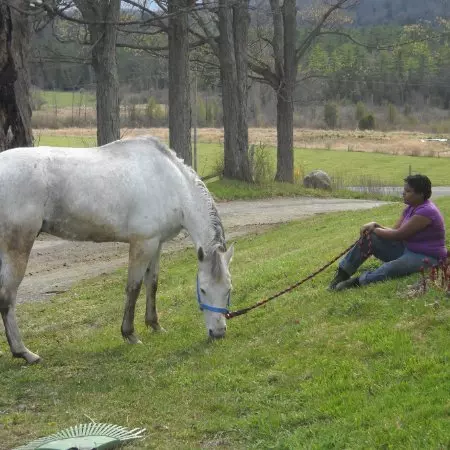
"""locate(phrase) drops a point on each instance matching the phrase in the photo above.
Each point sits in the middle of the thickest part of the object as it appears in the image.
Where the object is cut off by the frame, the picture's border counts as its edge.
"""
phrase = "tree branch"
(53, 11)
(380, 47)
(305, 45)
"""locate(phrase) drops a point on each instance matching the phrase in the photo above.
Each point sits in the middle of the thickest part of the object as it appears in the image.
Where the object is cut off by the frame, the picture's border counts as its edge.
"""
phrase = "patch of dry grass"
(394, 142)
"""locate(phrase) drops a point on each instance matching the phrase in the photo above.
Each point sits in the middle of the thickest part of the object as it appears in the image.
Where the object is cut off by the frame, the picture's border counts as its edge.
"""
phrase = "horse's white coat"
(134, 191)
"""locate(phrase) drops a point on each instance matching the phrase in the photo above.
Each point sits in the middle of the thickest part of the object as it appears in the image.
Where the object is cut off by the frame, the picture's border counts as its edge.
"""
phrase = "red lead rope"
(359, 242)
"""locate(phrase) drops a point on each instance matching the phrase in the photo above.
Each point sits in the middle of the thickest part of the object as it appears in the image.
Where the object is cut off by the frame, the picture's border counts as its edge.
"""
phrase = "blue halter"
(209, 307)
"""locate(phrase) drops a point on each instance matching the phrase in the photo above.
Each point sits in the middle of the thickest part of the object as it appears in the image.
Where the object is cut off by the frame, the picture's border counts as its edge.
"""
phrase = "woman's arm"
(405, 231)
(398, 224)
(369, 227)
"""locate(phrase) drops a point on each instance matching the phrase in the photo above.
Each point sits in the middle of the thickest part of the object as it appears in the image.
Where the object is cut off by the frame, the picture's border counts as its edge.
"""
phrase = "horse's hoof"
(33, 358)
(132, 339)
(29, 357)
(156, 327)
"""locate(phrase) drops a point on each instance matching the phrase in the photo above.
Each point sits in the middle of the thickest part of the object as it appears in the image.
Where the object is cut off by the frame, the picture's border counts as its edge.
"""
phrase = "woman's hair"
(421, 185)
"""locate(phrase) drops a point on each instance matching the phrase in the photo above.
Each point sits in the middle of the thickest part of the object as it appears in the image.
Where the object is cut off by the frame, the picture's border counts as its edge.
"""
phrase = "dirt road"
(56, 264)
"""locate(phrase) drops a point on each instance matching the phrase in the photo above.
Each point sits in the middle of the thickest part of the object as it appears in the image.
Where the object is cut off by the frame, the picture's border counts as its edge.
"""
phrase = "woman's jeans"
(398, 260)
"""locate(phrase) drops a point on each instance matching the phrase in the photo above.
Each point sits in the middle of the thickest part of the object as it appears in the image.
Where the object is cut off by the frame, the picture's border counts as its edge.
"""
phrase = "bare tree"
(15, 102)
(225, 28)
(101, 17)
(281, 75)
(179, 85)
(108, 30)
(233, 27)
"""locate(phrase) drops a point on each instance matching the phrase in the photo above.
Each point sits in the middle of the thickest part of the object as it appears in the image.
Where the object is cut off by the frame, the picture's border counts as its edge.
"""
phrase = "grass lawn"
(65, 141)
(62, 99)
(366, 368)
(347, 168)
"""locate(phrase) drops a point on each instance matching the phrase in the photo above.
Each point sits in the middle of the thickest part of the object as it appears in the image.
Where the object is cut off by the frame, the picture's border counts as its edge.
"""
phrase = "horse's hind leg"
(151, 285)
(13, 265)
(140, 254)
(16, 345)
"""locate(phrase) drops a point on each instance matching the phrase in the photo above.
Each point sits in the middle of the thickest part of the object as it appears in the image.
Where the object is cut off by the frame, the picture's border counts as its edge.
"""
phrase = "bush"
(360, 111)
(367, 122)
(154, 112)
(331, 114)
(262, 166)
(392, 114)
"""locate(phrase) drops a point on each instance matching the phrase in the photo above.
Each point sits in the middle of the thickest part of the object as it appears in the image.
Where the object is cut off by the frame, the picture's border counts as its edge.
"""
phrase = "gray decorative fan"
(89, 436)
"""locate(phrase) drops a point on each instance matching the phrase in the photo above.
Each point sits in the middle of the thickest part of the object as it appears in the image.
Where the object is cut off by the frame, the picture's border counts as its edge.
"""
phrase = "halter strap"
(216, 309)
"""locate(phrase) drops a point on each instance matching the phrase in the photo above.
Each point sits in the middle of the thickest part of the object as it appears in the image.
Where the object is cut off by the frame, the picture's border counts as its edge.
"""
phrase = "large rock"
(317, 179)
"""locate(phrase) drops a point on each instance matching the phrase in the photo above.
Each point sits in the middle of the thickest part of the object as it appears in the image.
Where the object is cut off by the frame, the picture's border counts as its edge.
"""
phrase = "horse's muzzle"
(219, 333)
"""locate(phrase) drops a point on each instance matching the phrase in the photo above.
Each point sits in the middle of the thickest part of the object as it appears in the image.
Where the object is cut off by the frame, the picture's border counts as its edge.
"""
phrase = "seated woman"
(415, 241)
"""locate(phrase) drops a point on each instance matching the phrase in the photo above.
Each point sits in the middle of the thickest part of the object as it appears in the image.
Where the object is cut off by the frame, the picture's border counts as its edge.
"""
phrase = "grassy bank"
(347, 168)
(365, 368)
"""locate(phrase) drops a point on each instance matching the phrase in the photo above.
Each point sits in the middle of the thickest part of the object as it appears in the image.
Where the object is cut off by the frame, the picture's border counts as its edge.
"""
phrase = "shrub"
(360, 111)
(219, 166)
(407, 111)
(392, 114)
(261, 164)
(154, 112)
(367, 122)
(299, 174)
(331, 114)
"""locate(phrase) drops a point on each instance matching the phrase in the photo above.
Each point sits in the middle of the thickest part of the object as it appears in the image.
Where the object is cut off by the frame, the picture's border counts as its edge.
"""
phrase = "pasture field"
(406, 143)
(347, 168)
(365, 368)
(62, 99)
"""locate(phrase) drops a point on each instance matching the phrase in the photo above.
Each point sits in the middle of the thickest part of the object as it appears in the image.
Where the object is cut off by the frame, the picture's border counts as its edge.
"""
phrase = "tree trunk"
(103, 39)
(15, 101)
(285, 136)
(233, 27)
(179, 85)
(285, 97)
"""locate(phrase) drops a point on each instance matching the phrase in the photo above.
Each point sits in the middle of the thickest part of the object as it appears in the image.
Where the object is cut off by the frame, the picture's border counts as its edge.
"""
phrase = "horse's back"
(118, 192)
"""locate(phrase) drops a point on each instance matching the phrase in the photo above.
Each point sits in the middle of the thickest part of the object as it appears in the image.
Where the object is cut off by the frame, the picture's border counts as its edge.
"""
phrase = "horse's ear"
(200, 254)
(229, 254)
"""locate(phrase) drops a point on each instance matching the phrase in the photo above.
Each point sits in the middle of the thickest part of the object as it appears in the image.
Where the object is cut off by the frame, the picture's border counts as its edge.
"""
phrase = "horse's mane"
(216, 223)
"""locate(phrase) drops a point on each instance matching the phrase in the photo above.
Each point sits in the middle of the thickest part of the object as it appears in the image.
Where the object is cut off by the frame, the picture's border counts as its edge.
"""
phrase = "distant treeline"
(335, 69)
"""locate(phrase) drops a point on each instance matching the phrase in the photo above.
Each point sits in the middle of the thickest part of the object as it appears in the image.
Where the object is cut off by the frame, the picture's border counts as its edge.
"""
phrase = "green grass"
(347, 168)
(66, 99)
(366, 368)
(356, 168)
(65, 141)
(225, 189)
(236, 190)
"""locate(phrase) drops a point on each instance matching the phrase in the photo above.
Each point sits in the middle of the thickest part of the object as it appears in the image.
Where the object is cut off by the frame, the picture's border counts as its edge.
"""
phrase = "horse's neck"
(202, 221)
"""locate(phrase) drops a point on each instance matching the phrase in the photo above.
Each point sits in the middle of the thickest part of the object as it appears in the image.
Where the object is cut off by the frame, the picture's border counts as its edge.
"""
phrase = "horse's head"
(214, 289)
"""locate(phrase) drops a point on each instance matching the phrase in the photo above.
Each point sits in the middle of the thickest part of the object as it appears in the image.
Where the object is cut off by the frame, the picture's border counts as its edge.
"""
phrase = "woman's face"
(410, 197)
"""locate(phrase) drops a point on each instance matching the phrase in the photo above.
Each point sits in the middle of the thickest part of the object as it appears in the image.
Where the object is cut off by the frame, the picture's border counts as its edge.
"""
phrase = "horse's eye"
(203, 291)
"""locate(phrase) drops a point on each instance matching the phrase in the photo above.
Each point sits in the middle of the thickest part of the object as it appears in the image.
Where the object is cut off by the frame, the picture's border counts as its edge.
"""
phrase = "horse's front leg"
(139, 255)
(151, 285)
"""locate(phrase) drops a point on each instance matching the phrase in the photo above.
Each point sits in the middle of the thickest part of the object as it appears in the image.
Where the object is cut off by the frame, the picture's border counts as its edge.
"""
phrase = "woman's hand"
(368, 227)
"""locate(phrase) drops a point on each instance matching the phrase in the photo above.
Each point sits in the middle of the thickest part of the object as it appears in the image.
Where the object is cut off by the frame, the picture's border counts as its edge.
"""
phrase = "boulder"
(317, 179)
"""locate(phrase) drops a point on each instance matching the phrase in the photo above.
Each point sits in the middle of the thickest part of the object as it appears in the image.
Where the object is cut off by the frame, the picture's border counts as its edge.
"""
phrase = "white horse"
(135, 191)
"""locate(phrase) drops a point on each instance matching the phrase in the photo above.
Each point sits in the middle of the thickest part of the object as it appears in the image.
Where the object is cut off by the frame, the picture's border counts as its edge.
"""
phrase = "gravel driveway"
(56, 264)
